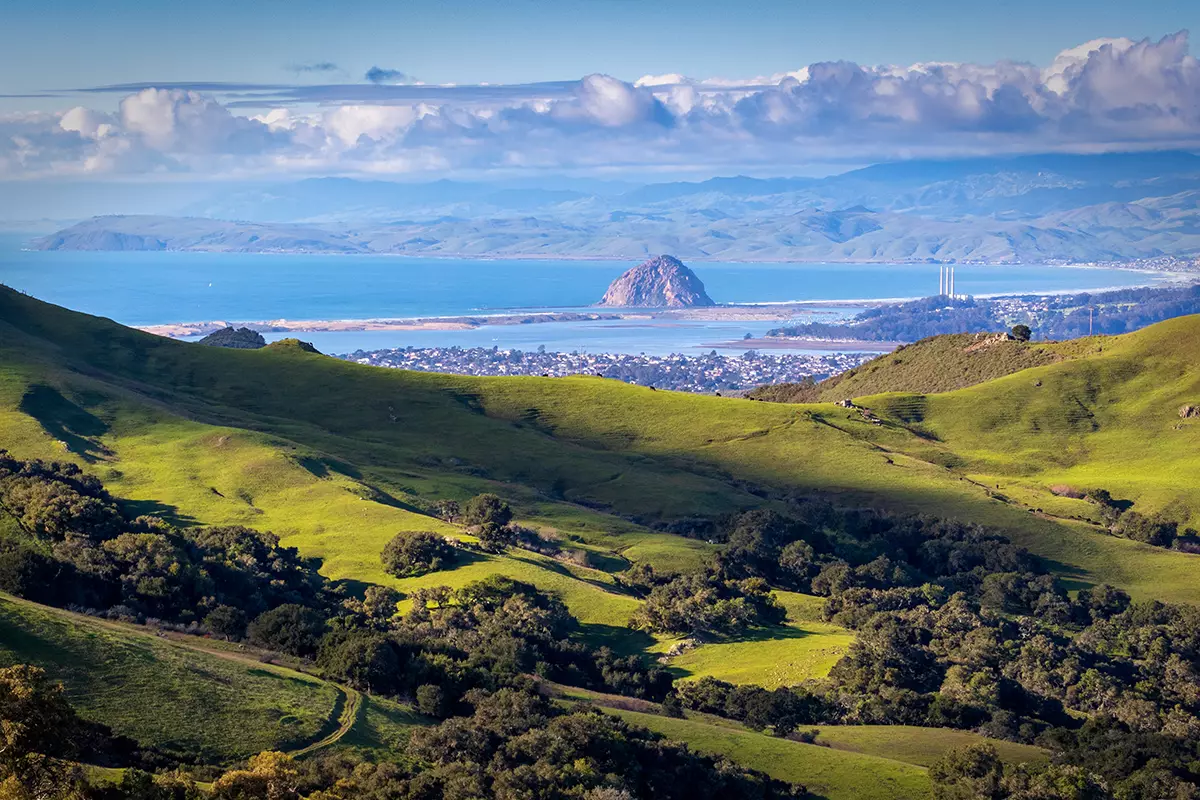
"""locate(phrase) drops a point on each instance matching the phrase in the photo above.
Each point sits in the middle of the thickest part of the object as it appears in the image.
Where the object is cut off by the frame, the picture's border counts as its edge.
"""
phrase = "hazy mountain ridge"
(1030, 209)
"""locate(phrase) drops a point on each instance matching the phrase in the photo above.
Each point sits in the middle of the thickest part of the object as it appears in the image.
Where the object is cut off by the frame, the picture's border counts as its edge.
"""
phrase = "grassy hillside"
(935, 364)
(852, 761)
(192, 697)
(829, 773)
(336, 457)
(188, 703)
(783, 655)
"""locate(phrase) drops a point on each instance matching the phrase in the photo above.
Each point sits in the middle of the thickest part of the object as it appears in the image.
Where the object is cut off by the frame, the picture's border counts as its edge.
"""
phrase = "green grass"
(846, 761)
(919, 746)
(939, 364)
(163, 694)
(781, 655)
(596, 460)
(382, 729)
(830, 773)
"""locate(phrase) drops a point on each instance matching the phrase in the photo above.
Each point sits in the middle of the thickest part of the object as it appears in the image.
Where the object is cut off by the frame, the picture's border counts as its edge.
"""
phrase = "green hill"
(935, 364)
(216, 706)
(335, 457)
(845, 761)
(190, 697)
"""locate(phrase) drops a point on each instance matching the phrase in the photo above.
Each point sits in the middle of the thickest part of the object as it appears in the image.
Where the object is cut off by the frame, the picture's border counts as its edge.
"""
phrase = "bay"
(150, 288)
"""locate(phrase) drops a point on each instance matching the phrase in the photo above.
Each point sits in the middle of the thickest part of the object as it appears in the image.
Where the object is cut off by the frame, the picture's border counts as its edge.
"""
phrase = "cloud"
(1113, 94)
(316, 66)
(386, 76)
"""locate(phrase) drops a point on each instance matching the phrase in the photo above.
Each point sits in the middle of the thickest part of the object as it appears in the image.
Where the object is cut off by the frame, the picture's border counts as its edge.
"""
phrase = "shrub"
(290, 628)
(411, 553)
(487, 510)
(431, 700)
(226, 621)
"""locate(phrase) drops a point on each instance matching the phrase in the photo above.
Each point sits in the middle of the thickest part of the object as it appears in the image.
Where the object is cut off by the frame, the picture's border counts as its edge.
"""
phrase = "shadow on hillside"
(559, 568)
(621, 640)
(153, 508)
(1071, 577)
(324, 467)
(67, 422)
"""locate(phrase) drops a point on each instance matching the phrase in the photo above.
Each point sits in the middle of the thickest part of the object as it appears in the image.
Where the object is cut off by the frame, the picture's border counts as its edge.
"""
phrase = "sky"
(225, 90)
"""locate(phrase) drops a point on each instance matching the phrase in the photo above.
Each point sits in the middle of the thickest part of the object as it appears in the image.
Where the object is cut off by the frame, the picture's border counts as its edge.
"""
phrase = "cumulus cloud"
(1107, 94)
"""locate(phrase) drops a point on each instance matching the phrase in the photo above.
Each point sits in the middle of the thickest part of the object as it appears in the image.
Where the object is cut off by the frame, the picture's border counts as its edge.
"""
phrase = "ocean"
(149, 288)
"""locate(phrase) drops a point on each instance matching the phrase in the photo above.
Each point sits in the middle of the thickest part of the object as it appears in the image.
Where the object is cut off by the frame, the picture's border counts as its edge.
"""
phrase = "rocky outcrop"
(661, 282)
(239, 338)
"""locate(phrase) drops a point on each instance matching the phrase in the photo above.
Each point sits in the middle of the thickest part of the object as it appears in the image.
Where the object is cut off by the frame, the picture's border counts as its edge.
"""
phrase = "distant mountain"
(1065, 208)
(659, 282)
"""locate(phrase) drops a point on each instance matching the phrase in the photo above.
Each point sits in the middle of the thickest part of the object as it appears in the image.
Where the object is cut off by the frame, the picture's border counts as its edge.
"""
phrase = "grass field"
(850, 761)
(336, 458)
(919, 746)
(830, 773)
(782, 655)
(166, 695)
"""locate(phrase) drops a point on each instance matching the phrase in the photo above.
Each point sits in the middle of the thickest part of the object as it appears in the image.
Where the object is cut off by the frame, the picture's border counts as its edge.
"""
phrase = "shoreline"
(801, 343)
(767, 310)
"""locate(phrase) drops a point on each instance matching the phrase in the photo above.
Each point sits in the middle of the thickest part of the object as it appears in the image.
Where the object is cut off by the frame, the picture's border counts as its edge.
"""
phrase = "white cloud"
(1106, 94)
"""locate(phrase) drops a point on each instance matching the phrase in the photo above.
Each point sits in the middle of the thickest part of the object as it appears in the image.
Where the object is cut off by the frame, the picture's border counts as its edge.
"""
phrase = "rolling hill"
(336, 458)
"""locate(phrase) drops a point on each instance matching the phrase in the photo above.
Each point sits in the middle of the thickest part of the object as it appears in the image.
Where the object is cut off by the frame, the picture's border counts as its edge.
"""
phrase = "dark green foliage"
(51, 500)
(76, 548)
(491, 517)
(706, 603)
(519, 745)
(487, 510)
(1022, 333)
(411, 553)
(291, 628)
(1155, 530)
(226, 621)
(367, 661)
(37, 724)
(977, 772)
(431, 700)
(889, 653)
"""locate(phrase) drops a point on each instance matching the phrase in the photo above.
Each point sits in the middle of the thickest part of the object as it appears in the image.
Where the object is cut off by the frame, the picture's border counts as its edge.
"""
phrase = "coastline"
(803, 343)
(726, 313)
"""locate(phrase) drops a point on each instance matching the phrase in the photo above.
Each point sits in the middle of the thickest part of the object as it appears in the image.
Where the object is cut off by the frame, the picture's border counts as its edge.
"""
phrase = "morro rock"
(661, 282)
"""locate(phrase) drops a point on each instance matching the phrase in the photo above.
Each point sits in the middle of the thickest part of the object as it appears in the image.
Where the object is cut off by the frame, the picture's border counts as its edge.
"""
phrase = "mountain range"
(1029, 209)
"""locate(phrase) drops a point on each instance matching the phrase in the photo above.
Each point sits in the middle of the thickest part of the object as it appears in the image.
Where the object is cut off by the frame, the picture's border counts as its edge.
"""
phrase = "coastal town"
(686, 373)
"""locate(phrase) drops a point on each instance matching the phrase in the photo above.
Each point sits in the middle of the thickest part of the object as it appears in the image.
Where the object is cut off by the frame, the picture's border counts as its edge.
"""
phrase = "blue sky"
(75, 43)
(230, 90)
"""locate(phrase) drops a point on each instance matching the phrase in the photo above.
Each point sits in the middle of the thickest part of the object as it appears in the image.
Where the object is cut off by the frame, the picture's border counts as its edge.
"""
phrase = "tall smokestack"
(952, 283)
(941, 279)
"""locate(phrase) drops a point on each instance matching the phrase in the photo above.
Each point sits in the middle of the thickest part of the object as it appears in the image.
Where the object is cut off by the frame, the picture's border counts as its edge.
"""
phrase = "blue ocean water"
(155, 288)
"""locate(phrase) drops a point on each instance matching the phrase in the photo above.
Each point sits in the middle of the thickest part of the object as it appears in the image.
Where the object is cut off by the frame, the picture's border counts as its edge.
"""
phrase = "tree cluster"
(74, 547)
(511, 743)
